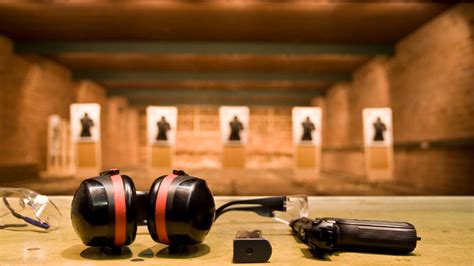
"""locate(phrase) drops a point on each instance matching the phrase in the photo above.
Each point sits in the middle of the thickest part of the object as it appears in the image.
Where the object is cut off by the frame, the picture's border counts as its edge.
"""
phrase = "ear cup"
(180, 210)
(103, 211)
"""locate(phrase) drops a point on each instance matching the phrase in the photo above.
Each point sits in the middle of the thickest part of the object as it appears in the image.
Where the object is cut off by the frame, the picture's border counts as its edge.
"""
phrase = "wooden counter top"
(445, 224)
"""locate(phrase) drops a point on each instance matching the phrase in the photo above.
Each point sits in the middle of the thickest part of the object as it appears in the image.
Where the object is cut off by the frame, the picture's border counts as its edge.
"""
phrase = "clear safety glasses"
(31, 207)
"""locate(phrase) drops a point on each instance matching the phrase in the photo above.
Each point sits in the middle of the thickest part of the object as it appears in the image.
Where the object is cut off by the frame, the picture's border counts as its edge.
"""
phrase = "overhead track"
(203, 48)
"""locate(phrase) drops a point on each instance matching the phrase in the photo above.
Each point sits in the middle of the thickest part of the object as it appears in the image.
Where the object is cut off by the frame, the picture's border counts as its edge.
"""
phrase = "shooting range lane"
(445, 225)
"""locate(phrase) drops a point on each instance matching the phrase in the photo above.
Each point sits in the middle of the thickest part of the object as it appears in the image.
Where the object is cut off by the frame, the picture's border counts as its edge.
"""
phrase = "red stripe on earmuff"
(160, 209)
(120, 210)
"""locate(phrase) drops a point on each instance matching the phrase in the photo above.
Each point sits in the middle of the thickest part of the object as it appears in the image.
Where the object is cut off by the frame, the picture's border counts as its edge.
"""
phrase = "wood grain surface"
(445, 224)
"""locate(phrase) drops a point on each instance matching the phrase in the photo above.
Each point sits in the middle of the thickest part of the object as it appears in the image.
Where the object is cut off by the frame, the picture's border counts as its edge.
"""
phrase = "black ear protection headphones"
(179, 210)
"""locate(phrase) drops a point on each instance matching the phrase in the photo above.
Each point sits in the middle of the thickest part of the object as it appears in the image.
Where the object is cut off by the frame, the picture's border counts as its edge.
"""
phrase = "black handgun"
(334, 234)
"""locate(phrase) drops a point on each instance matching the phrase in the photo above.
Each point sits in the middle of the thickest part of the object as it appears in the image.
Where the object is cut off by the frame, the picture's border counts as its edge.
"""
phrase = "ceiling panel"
(212, 52)
(304, 21)
(213, 85)
(207, 63)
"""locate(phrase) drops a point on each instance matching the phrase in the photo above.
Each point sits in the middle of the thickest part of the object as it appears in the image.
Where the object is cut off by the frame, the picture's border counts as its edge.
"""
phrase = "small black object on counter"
(251, 247)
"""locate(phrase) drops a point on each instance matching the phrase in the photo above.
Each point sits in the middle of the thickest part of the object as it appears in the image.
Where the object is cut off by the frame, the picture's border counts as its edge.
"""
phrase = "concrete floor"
(237, 182)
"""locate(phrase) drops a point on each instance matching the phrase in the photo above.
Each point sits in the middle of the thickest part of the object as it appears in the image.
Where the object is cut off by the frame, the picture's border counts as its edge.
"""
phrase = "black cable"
(267, 205)
(262, 211)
